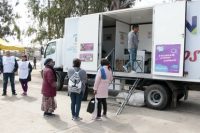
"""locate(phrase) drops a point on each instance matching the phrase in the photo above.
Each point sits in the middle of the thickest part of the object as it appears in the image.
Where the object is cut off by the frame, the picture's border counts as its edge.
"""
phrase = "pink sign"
(87, 47)
(86, 57)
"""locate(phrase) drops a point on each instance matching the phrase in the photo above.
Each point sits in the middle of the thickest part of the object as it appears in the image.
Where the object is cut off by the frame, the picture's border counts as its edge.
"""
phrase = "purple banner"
(167, 58)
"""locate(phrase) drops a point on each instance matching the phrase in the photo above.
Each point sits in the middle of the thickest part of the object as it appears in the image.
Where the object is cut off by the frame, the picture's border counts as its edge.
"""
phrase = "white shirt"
(8, 64)
(23, 69)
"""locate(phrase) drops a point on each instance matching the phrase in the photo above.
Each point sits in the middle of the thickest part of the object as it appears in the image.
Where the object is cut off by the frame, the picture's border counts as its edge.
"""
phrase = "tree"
(8, 25)
(50, 16)
(120, 4)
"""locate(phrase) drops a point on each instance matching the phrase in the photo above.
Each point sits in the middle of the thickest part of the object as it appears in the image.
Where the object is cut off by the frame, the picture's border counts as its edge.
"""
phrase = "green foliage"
(7, 21)
(50, 16)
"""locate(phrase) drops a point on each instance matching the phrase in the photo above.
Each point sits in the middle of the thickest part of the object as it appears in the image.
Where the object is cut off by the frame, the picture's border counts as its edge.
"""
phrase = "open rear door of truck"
(169, 39)
(89, 36)
(70, 46)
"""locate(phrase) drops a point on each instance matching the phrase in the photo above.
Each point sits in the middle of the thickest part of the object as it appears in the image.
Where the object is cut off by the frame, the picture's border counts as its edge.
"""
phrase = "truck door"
(70, 46)
(121, 41)
(169, 39)
(89, 36)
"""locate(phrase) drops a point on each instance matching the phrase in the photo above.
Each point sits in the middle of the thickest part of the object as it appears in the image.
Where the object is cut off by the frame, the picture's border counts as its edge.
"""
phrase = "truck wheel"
(156, 97)
(59, 83)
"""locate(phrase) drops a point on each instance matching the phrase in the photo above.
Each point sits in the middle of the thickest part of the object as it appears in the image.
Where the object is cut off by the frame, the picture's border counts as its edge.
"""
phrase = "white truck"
(168, 59)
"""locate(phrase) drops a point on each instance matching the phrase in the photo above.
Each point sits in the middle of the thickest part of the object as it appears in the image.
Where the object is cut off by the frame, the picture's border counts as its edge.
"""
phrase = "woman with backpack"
(76, 87)
(102, 81)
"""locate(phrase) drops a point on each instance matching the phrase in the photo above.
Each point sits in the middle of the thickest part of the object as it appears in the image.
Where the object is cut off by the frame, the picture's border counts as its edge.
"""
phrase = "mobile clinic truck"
(168, 59)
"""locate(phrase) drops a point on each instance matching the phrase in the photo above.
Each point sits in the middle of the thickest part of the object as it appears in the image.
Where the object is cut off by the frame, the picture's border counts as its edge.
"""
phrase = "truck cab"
(53, 50)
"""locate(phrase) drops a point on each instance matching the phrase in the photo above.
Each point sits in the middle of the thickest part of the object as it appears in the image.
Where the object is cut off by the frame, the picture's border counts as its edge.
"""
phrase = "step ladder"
(131, 91)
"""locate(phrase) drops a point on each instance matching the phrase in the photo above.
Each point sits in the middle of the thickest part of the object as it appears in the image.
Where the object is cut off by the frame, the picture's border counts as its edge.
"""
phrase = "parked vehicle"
(168, 53)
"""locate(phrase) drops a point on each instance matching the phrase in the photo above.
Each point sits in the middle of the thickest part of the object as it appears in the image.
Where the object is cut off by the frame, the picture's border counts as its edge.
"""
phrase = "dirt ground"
(19, 114)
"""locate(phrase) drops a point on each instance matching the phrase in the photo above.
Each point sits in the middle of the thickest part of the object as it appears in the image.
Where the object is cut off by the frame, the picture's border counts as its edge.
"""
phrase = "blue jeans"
(75, 103)
(132, 58)
(5, 82)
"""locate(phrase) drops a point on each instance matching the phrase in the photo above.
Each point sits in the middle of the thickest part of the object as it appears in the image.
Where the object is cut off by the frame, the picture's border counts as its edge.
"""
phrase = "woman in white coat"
(25, 69)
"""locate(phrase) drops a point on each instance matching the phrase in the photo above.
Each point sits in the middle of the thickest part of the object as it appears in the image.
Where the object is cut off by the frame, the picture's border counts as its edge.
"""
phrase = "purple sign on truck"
(167, 58)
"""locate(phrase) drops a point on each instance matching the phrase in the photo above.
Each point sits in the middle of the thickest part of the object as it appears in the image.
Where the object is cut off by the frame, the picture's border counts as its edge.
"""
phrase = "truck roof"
(141, 14)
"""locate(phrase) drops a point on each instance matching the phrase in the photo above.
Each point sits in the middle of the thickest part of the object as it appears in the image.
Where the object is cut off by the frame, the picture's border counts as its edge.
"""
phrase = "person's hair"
(25, 57)
(47, 61)
(105, 62)
(76, 62)
(135, 26)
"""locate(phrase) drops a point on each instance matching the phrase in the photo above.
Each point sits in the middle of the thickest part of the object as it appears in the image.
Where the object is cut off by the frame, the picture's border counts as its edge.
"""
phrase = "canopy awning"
(5, 46)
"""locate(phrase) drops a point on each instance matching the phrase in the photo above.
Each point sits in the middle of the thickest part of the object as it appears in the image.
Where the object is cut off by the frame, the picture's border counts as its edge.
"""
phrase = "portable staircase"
(131, 91)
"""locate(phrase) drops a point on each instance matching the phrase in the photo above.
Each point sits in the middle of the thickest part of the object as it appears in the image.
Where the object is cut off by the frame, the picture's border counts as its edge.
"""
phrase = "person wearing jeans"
(25, 70)
(132, 47)
(132, 54)
(7, 76)
(8, 66)
(75, 105)
(76, 98)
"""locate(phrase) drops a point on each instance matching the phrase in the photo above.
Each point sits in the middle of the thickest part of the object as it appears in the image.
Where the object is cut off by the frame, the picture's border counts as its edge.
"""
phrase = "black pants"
(101, 101)
(7, 76)
(86, 93)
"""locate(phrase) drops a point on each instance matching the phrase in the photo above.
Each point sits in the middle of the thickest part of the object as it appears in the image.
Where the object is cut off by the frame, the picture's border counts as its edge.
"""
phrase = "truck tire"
(156, 97)
(59, 83)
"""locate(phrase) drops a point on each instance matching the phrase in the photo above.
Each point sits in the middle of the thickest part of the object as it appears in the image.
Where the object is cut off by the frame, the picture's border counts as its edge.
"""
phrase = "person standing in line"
(49, 88)
(34, 62)
(76, 97)
(102, 81)
(132, 47)
(25, 69)
(8, 66)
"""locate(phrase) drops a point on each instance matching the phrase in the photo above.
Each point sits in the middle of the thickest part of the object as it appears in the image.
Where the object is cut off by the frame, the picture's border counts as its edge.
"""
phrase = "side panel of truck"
(70, 46)
(88, 41)
(192, 47)
(192, 50)
(169, 39)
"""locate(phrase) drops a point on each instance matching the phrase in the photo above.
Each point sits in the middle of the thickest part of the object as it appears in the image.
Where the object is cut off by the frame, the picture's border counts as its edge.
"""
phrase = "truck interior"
(116, 25)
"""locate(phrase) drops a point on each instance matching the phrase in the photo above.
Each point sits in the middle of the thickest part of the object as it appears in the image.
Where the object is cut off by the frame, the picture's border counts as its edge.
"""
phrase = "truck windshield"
(51, 48)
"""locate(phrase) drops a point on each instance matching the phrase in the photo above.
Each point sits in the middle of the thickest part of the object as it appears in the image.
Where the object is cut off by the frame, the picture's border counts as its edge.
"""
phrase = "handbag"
(91, 105)
(29, 77)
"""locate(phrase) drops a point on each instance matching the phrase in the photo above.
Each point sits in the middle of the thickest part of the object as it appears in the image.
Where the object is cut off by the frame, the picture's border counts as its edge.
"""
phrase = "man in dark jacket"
(8, 66)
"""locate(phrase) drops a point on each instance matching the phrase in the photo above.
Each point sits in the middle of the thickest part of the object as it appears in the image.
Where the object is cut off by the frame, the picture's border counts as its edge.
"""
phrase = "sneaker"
(98, 119)
(24, 94)
(105, 116)
(78, 118)
(4, 94)
(133, 72)
(14, 94)
(48, 114)
(125, 68)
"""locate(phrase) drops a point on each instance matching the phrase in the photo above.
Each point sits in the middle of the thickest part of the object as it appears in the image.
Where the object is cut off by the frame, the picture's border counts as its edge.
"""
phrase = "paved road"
(20, 114)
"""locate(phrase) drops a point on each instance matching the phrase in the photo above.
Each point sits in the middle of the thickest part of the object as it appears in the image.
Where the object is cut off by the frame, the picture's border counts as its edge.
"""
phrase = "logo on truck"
(192, 27)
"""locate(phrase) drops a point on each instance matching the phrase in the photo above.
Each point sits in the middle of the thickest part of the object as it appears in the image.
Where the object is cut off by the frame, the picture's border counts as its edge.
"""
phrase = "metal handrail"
(110, 53)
